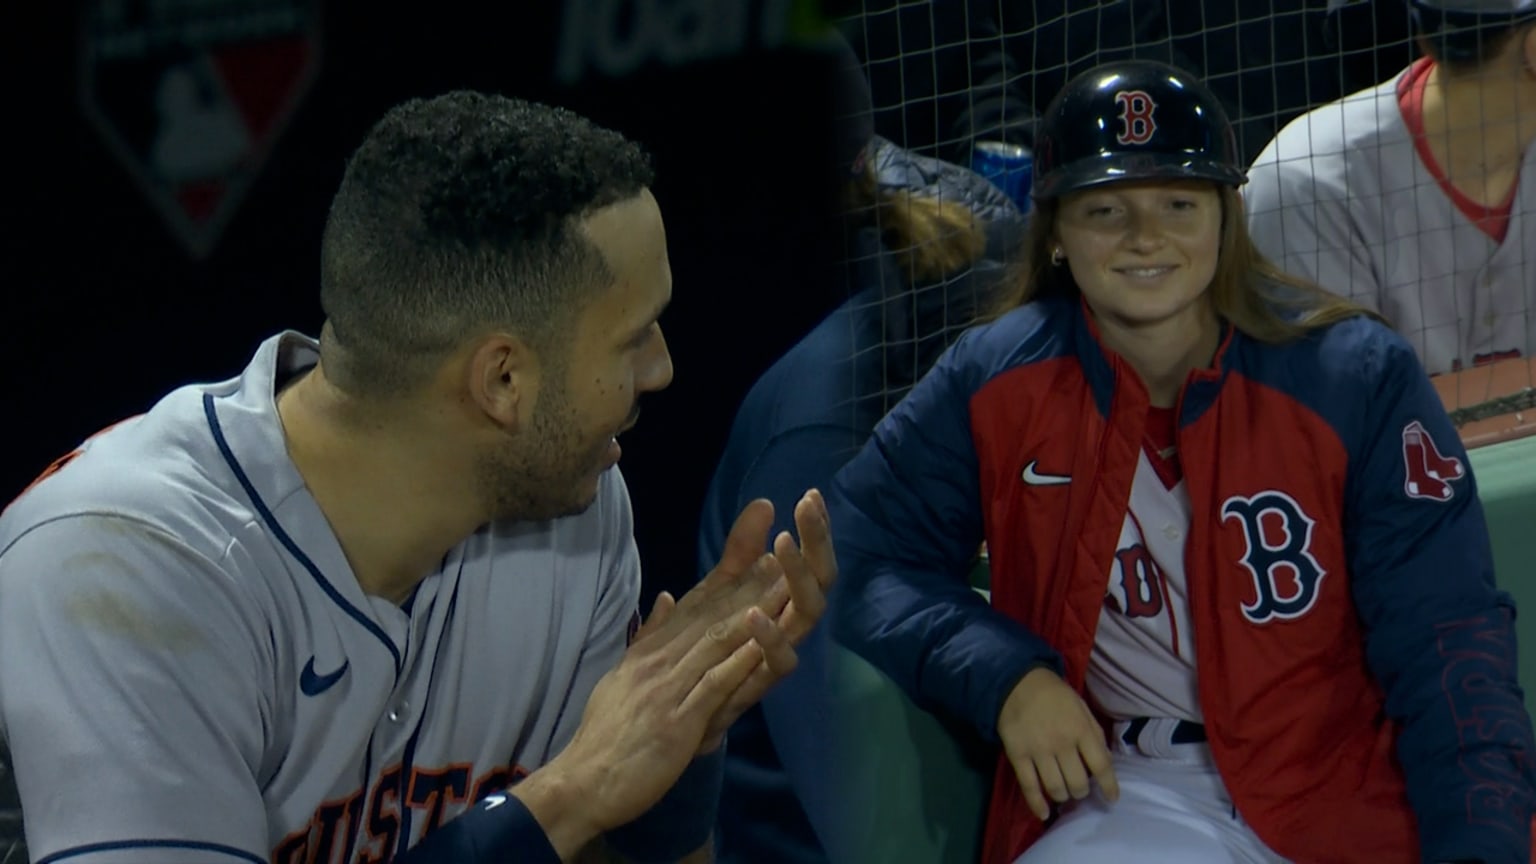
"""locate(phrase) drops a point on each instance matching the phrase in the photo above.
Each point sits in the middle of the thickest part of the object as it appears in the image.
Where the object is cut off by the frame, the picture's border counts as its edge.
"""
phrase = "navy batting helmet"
(1133, 120)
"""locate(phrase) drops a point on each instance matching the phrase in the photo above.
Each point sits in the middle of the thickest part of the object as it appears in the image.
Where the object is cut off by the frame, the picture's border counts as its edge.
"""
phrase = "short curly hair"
(459, 214)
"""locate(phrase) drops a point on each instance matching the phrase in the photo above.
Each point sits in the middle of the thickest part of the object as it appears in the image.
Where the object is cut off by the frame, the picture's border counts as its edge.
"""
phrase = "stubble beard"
(538, 475)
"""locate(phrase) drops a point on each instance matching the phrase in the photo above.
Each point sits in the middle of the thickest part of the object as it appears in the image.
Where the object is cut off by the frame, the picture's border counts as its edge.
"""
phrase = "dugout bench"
(918, 789)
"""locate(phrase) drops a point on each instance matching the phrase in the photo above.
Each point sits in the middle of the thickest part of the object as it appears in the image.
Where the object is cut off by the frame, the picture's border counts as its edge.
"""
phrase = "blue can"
(1008, 166)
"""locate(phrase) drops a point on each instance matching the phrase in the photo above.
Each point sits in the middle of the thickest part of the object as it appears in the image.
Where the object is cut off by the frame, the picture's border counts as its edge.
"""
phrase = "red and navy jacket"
(1356, 662)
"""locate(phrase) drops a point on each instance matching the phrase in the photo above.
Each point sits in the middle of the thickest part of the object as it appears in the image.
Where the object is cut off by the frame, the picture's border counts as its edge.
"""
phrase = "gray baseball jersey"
(1341, 197)
(189, 670)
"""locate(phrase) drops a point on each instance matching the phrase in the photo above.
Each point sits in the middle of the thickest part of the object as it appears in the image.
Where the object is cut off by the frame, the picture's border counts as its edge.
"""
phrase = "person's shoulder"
(1347, 358)
(900, 168)
(136, 510)
(1322, 152)
(1336, 128)
(160, 470)
(1363, 347)
(1347, 375)
(1037, 331)
(1039, 321)
(814, 381)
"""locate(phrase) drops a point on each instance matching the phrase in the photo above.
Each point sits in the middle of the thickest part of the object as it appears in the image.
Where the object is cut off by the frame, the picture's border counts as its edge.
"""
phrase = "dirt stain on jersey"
(120, 614)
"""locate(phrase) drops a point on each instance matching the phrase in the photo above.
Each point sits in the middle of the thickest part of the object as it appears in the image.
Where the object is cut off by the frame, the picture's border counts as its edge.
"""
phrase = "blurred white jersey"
(189, 670)
(1342, 196)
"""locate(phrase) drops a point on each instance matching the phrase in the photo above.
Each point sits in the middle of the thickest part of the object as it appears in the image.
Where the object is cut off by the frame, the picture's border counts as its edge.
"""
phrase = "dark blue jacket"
(802, 420)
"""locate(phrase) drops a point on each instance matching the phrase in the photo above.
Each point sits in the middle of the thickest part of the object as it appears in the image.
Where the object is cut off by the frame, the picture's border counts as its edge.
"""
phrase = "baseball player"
(1414, 198)
(333, 609)
(1240, 579)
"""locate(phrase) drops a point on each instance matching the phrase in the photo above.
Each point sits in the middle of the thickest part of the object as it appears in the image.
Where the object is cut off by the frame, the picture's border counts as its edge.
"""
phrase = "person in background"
(1415, 197)
(927, 241)
(949, 75)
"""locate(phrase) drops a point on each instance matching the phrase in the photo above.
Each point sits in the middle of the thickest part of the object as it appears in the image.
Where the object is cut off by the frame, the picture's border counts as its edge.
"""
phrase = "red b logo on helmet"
(1136, 123)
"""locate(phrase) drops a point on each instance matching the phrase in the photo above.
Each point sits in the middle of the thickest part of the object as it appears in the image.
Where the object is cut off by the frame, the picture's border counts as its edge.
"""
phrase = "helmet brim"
(1126, 166)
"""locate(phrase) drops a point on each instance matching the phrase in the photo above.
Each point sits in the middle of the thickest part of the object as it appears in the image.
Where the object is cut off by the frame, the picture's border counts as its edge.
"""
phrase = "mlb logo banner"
(190, 96)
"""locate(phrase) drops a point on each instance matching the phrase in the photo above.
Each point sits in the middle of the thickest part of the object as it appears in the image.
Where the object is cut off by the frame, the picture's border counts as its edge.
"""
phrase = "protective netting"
(1420, 241)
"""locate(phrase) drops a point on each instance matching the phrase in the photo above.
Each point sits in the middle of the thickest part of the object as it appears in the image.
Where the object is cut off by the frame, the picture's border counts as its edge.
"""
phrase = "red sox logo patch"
(1136, 116)
(1427, 472)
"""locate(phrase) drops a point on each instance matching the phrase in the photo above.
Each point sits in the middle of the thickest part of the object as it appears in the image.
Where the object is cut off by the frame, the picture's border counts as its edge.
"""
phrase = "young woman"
(1240, 578)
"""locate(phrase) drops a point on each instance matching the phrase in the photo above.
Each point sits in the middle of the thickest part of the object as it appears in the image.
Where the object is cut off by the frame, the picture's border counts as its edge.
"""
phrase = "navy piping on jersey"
(283, 538)
(410, 599)
(153, 844)
(408, 759)
(362, 812)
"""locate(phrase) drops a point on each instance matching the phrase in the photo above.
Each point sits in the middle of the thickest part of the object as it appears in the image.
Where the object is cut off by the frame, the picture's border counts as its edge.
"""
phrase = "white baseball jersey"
(189, 670)
(1341, 197)
(1143, 658)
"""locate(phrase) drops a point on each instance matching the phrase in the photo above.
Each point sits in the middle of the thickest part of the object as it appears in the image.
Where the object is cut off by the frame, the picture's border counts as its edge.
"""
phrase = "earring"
(1058, 257)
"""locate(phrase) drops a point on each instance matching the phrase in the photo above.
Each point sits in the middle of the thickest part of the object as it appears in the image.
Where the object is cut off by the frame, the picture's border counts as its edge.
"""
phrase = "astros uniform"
(1342, 197)
(186, 657)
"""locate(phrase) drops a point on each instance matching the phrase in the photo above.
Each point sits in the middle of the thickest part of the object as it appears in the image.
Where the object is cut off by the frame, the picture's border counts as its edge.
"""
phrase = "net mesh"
(947, 76)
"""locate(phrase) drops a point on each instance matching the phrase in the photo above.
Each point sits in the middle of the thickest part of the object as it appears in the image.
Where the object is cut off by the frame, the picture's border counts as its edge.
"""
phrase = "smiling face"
(1142, 253)
(588, 392)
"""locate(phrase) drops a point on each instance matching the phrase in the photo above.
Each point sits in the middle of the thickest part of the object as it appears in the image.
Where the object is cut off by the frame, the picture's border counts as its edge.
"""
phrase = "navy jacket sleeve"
(1439, 635)
(797, 709)
(907, 523)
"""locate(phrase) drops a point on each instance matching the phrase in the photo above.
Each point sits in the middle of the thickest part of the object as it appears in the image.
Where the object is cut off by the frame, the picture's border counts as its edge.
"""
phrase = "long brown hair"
(929, 237)
(1247, 290)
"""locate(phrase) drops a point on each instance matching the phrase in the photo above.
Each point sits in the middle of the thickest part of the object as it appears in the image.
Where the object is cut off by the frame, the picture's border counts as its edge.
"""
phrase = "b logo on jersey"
(1140, 592)
(1136, 121)
(1428, 473)
(1286, 577)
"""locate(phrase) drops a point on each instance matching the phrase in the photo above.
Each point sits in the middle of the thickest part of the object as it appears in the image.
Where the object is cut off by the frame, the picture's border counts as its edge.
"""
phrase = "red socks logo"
(1429, 473)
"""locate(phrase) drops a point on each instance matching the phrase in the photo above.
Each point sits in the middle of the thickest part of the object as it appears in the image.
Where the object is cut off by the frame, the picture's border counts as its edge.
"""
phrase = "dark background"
(104, 310)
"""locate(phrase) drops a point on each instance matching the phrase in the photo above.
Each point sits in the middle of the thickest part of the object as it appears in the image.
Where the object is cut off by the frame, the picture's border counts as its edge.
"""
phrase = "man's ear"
(501, 378)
